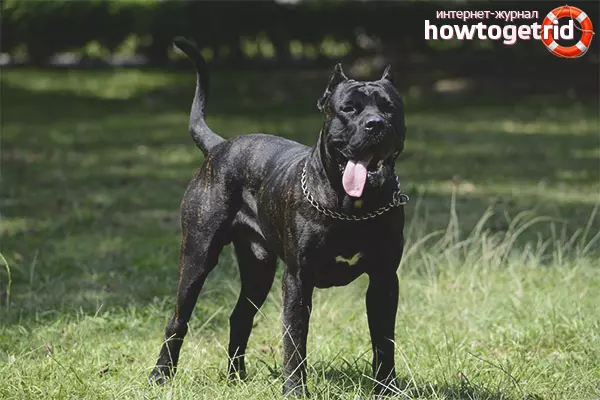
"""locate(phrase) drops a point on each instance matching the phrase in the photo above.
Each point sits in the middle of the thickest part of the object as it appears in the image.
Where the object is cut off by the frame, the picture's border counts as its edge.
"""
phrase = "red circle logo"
(586, 29)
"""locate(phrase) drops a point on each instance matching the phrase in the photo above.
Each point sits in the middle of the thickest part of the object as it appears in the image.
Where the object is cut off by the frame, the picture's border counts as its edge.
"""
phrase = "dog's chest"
(342, 255)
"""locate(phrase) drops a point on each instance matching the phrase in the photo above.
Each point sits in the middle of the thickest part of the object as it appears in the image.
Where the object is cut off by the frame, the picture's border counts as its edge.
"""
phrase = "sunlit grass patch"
(479, 317)
(100, 84)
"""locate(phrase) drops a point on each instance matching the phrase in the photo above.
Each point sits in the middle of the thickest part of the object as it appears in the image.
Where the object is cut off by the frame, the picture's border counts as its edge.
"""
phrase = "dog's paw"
(386, 389)
(237, 375)
(295, 390)
(159, 375)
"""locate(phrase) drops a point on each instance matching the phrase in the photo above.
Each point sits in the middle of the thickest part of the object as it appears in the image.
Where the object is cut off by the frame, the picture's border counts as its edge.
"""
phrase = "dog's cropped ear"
(387, 74)
(337, 77)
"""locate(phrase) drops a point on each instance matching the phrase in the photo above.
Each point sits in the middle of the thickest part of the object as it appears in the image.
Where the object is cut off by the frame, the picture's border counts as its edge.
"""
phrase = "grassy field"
(499, 286)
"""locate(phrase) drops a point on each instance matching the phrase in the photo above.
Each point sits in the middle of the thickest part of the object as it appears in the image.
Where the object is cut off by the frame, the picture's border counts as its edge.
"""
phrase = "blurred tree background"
(242, 34)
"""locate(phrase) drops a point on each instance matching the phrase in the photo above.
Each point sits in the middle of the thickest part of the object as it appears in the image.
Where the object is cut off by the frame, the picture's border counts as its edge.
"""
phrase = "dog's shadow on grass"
(353, 378)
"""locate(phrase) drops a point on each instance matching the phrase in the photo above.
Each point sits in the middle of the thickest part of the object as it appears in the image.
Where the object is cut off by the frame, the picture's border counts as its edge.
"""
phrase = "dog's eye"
(387, 107)
(348, 109)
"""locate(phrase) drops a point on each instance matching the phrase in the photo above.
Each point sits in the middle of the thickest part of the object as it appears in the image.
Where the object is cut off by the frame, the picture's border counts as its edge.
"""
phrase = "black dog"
(331, 213)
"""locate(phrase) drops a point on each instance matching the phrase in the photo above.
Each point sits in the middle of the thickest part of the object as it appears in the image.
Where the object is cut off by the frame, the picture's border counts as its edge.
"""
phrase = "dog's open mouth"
(354, 174)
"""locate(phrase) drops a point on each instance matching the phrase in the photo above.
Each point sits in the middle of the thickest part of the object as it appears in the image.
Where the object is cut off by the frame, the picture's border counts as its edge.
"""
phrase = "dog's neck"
(329, 169)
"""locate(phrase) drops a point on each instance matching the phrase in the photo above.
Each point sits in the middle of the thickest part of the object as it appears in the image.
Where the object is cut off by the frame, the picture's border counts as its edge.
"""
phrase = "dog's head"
(364, 127)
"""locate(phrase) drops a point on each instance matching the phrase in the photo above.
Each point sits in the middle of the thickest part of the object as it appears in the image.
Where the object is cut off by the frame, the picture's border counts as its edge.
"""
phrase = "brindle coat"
(248, 193)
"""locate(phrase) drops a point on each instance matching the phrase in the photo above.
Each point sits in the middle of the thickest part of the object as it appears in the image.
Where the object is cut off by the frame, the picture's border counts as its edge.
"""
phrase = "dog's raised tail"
(203, 136)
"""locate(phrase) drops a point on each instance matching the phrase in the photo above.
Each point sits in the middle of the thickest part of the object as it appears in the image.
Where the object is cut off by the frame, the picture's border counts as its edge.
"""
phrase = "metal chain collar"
(398, 199)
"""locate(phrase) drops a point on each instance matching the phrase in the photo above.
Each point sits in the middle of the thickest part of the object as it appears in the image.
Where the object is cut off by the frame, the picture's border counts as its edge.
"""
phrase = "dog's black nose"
(374, 125)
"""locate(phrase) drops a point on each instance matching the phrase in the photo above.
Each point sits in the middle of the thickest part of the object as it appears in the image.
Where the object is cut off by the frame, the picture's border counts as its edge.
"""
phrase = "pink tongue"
(355, 175)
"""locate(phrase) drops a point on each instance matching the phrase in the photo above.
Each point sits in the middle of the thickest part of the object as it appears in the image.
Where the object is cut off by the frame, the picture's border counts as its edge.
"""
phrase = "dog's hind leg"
(206, 226)
(257, 270)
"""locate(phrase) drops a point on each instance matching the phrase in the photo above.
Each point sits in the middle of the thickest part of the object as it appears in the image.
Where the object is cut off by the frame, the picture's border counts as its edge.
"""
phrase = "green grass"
(500, 283)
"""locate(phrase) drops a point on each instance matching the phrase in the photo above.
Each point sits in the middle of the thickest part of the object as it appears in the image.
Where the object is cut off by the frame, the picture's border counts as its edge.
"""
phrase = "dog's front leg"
(297, 304)
(382, 304)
